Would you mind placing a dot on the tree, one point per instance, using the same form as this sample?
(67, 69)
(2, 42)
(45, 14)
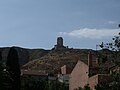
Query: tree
(86, 87)
(114, 85)
(32, 83)
(5, 79)
(14, 68)
(0, 61)
(114, 47)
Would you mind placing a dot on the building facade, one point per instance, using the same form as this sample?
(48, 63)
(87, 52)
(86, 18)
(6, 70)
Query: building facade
(91, 73)
(79, 76)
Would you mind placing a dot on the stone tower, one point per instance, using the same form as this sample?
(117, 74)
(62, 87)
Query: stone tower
(59, 42)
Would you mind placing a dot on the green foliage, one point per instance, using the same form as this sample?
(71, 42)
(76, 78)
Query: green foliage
(31, 83)
(86, 87)
(114, 85)
(102, 86)
(114, 47)
(13, 62)
(115, 57)
(14, 68)
(116, 81)
(5, 79)
(119, 25)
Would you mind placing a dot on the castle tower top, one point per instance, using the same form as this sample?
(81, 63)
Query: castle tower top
(59, 42)
(59, 45)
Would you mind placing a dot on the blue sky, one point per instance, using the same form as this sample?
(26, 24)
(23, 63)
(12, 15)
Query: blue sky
(37, 23)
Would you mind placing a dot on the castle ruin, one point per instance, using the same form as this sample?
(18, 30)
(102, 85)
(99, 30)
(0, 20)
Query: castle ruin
(59, 44)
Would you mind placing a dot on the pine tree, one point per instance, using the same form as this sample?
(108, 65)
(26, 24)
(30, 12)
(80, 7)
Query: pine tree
(14, 68)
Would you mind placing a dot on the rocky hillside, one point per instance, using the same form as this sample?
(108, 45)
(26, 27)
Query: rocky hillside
(25, 55)
(40, 59)
(57, 58)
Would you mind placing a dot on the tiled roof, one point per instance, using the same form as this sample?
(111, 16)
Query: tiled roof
(33, 72)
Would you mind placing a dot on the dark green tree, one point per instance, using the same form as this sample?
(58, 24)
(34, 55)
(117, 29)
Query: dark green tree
(119, 25)
(86, 87)
(0, 61)
(14, 68)
(31, 83)
(5, 79)
(114, 47)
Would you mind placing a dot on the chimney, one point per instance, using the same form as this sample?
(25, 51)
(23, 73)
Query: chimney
(97, 61)
(90, 59)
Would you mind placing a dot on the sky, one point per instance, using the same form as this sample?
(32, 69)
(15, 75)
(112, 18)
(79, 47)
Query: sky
(38, 23)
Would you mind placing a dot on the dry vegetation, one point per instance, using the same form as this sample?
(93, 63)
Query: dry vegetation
(57, 58)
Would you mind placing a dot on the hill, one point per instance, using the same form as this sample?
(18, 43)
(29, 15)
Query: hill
(57, 58)
(25, 55)
(49, 60)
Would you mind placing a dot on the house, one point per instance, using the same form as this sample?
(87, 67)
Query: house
(79, 76)
(33, 73)
(90, 72)
(64, 75)
(38, 74)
